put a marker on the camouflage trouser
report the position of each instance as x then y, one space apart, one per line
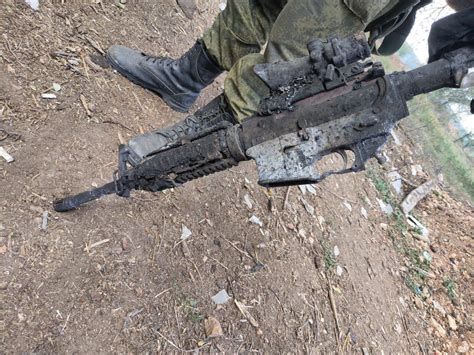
285 26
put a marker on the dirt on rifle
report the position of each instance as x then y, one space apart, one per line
320 274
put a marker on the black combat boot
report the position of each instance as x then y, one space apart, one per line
177 82
214 113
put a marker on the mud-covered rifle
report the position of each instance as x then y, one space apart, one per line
336 100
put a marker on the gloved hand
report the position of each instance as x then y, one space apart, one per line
450 33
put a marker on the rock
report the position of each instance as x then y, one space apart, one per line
189 7
452 323
438 328
247 201
339 270
185 232
418 227
213 328
418 303
416 196
307 206
384 226
348 206
398 328
464 347
255 220
3 285
337 252
385 207
221 297
396 181
427 256
438 307
364 213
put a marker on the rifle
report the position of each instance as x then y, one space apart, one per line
336 100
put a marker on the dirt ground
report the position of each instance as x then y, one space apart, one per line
323 273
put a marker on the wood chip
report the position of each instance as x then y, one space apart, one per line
243 309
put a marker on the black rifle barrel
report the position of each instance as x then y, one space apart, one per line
72 202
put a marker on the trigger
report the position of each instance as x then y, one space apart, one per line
343 155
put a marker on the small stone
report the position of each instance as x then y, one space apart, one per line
464 347
125 243
418 303
189 7
437 306
337 252
384 226
452 323
339 270
348 206
3 285
21 317
364 213
438 328
398 328
247 201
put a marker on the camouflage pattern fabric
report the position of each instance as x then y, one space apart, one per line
241 31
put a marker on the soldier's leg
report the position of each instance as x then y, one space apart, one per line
242 28
298 23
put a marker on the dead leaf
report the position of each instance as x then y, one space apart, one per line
213 328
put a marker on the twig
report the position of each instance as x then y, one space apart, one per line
333 308
287 195
168 341
94 245
341 198
119 124
217 261
163 292
236 248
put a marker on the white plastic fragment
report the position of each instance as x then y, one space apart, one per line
56 87
185 232
414 223
34 4
48 96
6 156
311 189
302 189
221 297
222 6
255 220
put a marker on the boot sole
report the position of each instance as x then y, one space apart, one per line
165 97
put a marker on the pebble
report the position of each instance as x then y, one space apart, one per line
452 323
438 328
418 303
247 201
437 306
364 213
339 270
464 347
337 252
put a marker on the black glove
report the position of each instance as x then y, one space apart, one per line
450 33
